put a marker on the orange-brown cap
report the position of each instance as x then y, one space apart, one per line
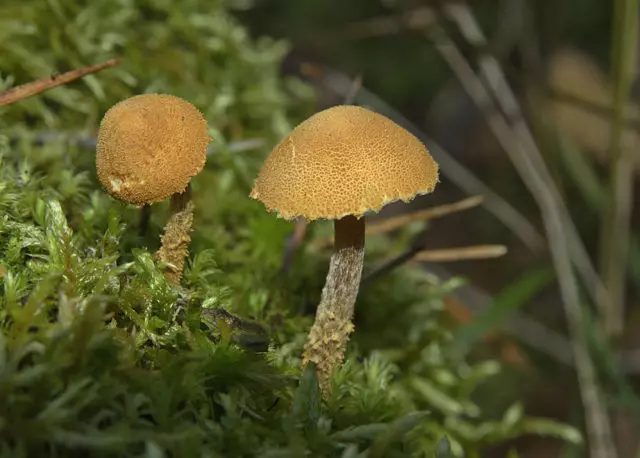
345 160
149 147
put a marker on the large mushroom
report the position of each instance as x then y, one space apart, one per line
149 148
339 164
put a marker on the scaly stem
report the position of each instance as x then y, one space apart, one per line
177 235
329 334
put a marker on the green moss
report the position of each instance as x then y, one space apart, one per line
99 356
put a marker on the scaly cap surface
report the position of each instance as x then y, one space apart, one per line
345 160
149 147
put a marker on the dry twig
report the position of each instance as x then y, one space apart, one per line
461 253
397 222
24 91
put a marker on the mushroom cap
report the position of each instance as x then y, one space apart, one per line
345 160
149 147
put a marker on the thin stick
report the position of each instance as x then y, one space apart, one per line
397 222
24 91
461 253
390 265
617 220
418 253
524 154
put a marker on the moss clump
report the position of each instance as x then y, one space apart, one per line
101 356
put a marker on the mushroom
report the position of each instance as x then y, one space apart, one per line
149 148
339 164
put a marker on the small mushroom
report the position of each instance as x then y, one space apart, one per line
339 164
149 148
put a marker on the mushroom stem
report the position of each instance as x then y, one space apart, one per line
177 235
145 216
329 334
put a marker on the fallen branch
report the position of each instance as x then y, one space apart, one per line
24 91
397 222
461 253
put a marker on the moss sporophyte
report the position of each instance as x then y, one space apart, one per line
149 148
339 164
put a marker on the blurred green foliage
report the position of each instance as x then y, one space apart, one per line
197 51
99 356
